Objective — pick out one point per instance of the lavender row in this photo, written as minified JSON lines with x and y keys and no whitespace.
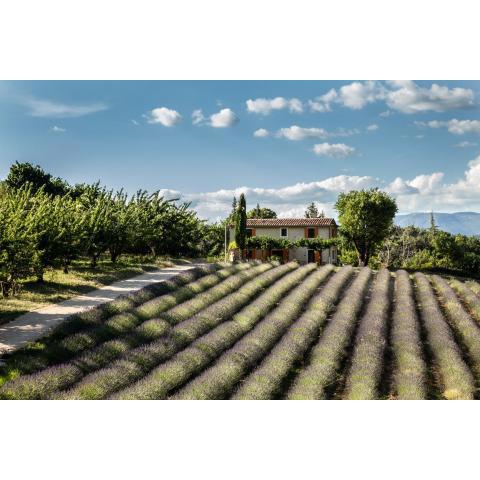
{"x":326,"y":356}
{"x":410,"y":369}
{"x":56,"y":348}
{"x":136,"y":363}
{"x":205,"y":349}
{"x":457,"y":380}
{"x":463,"y":324}
{"x":367,"y":360}
{"x":220,"y":380}
{"x":45,"y":382}
{"x":468,"y":296}
{"x":265,"y":381}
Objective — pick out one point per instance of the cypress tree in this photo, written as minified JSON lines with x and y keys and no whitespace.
{"x":241,"y":223}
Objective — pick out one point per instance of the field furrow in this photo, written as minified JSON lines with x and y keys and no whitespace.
{"x":457,"y":380}
{"x":409,"y":378}
{"x":265,"y":382}
{"x":264,"y":330}
{"x":471,"y":300}
{"x":219,"y":380}
{"x":312,"y":382}
{"x":368,"y":355}
{"x":462,"y":323}
{"x":33,"y":358}
{"x":137,"y":362}
{"x":47,"y":381}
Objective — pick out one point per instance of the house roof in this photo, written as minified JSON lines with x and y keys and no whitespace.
{"x":290,"y":222}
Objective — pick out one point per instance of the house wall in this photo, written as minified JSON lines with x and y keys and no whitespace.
{"x":294,"y":233}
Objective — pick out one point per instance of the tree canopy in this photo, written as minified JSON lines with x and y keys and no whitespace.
{"x":366,"y":217}
{"x":261,"y":212}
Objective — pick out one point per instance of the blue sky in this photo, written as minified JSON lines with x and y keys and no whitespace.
{"x":418,"y":140}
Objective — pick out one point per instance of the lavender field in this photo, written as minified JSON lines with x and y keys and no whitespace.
{"x":265,"y":331}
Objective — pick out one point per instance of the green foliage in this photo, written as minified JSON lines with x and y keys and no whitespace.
{"x":312,"y":212}
{"x":46,"y":223}
{"x":241,"y":223}
{"x":263,"y":212}
{"x":365,"y":217}
{"x":426,"y":249}
{"x":22,"y":173}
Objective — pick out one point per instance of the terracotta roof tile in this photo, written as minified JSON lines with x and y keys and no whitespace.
{"x":290,"y":222}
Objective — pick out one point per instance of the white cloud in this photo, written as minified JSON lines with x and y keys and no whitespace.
{"x":386,"y":114}
{"x":358,"y":94}
{"x":323,"y":102}
{"x":372,"y":128}
{"x":457,"y":127}
{"x":265,"y":106}
{"x":337,"y":150}
{"x":422,"y":193}
{"x":411,"y":98}
{"x":223,"y":119}
{"x":135,"y":123}
{"x":426,"y":183}
{"x":164,"y":116}
{"x":197,"y":117}
{"x":57,"y":129}
{"x":261,"y":133}
{"x":402,"y":95}
{"x":466,"y":144}
{"x":297,"y":133}
{"x":51,"y":109}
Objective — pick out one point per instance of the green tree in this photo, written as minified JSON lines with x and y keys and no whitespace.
{"x":259,"y":212}
{"x":311,"y":211}
{"x":241,"y":223}
{"x":22,"y":173}
{"x":366,"y":217}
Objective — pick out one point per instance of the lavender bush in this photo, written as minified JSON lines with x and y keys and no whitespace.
{"x":326,"y":356}
{"x":457,"y":380}
{"x":410,"y":368}
{"x":266,"y":380}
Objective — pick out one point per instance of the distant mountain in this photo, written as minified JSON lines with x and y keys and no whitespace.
{"x":465,"y":223}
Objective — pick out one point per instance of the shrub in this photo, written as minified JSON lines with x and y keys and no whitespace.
{"x":326,"y":356}
{"x":410,"y":369}
{"x":219,"y":380}
{"x":456,"y":378}
{"x":367,"y":360}
{"x":265,"y":381}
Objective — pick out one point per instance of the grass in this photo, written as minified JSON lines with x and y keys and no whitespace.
{"x":58,"y":286}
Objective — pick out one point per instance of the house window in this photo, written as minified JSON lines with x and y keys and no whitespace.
{"x":284,"y":232}
{"x":249,"y":232}
{"x":310,"y":232}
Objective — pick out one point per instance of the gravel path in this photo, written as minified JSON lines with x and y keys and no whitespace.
{"x":33,"y":325}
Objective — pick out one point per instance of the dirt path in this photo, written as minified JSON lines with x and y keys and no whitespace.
{"x":35,"y":324}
